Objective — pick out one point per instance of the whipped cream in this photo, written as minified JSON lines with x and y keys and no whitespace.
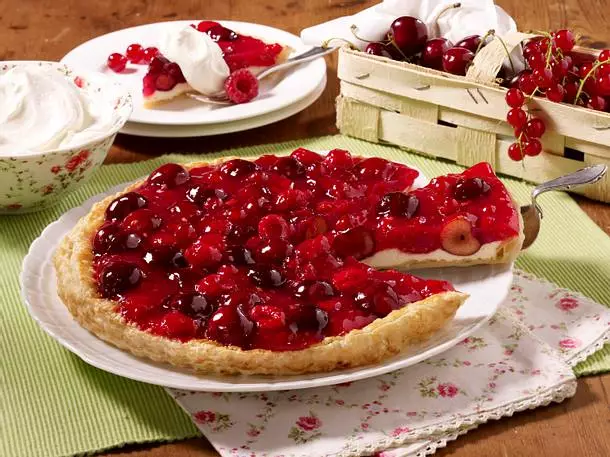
{"x":391,"y":258}
{"x":42,"y":110}
{"x":199,"y":58}
{"x":473,"y":17}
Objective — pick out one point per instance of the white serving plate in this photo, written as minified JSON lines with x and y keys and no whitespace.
{"x":488,"y":286}
{"x":275,"y":94}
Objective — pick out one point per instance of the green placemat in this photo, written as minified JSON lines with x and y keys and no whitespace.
{"x":54,"y":404}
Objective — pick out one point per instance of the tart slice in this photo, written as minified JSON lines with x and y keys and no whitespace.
{"x":166,"y":80}
{"x":258,"y":266}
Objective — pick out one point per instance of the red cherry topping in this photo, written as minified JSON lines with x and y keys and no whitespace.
{"x":206,"y":252}
{"x":237,"y":168}
{"x":204,"y":26}
{"x":220,"y":33}
{"x":266,"y":276}
{"x":125,"y":204}
{"x":109,"y":238}
{"x":116,"y":62}
{"x":469,"y":188}
{"x":357,"y":242}
{"x":142,"y":222}
{"x":149,"y":54}
{"x":117,"y":277}
{"x":398,"y":204}
{"x":169,"y":175}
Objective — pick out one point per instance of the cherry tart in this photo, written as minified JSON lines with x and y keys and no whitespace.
{"x":264,"y":266}
{"x":164,"y":79}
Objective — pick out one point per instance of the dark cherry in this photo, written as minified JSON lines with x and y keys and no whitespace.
{"x":220,"y":33}
{"x":133,"y":241}
{"x":206,"y":252}
{"x":124,"y":205}
{"x":471,"y":43}
{"x":398,"y":204}
{"x":432,"y":55}
{"x":238,"y":168}
{"x":109,"y":238}
{"x":409,"y":34}
{"x":239,"y":255}
{"x":199,"y":194}
{"x":141,"y":221}
{"x":273,"y":226}
{"x":266,"y":276}
{"x":289,"y":167}
{"x":179,"y":261}
{"x":378,"y":49}
{"x":380,"y":299}
{"x":309,"y":317}
{"x":270,"y":250}
{"x":306,"y":157}
{"x":469,"y":188}
{"x":117,"y":277}
{"x":161,"y":247}
{"x":338,"y":159}
{"x":314,"y":290}
{"x":456,"y":60}
{"x":169,"y":175}
{"x":375,"y":168}
{"x":357,"y":242}
{"x":193,"y":304}
{"x":225,"y":326}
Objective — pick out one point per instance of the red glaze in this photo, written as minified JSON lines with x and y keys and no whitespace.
{"x":259,"y":255}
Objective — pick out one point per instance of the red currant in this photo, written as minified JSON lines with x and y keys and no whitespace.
{"x":585,"y":69}
{"x":564,"y":40}
{"x":543,"y":77}
{"x":571,"y":89}
{"x":597,"y":103}
{"x":604,"y":55}
{"x":560,"y":68}
{"x":516,"y":117}
{"x":116,"y":62}
{"x":603,"y":69}
{"x":532,"y":147}
{"x":514,"y":152}
{"x":555,"y":93}
{"x":134,"y":53}
{"x":515,"y":98}
{"x":536,"y":60}
{"x":149,"y":54}
{"x":603,"y":84}
{"x":527,"y":84}
{"x":535,"y":128}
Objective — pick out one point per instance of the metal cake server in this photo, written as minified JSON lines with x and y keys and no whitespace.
{"x":532,"y":214}
{"x":220,"y":98}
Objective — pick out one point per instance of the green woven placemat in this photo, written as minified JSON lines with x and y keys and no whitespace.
{"x":54,"y":404}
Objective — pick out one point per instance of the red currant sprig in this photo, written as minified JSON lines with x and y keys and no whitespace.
{"x":528,"y":129}
{"x":134,"y":53}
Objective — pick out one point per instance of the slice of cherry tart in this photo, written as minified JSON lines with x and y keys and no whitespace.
{"x":261,"y":266}
{"x":165,"y":81}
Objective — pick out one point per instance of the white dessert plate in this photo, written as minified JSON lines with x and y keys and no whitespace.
{"x":275,"y":93}
{"x":488,"y":286}
{"x":182,"y":131}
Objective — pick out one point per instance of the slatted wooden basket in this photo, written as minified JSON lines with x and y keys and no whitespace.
{"x":463,"y":119}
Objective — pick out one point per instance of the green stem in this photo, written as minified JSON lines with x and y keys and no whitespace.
{"x":507,"y":52}
{"x":586,"y":78}
{"x":489,"y":33}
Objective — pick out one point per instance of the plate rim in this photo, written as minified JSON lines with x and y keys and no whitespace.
{"x":324,"y":379}
{"x":318,"y":66}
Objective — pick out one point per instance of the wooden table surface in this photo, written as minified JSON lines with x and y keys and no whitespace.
{"x":48,"y":29}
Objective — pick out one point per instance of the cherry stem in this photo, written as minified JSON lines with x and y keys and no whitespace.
{"x":489,"y":33}
{"x":326,"y":43}
{"x":586,"y":78}
{"x":445,"y":9}
{"x":353,"y":28}
{"x":512,"y":66}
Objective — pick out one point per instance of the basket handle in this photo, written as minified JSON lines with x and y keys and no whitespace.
{"x":489,"y":59}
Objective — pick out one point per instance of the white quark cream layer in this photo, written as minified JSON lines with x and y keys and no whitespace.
{"x":392,"y":258}
{"x":474,"y":17}
{"x":199,"y":58}
{"x":41,"y":110}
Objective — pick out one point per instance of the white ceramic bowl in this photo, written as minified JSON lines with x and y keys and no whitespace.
{"x":36,"y":180}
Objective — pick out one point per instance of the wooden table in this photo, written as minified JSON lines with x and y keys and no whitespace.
{"x":48,"y":29}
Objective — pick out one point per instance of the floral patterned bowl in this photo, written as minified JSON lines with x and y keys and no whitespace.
{"x":34,"y":181}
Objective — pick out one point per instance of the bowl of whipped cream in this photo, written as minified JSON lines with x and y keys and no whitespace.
{"x":56,"y":127}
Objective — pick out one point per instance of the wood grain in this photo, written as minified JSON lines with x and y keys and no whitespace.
{"x":48,"y":29}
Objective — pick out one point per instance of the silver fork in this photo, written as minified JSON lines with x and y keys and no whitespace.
{"x":220,"y":98}
{"x":532,"y":214}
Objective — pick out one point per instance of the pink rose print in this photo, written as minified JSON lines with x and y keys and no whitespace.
{"x":46,"y":190}
{"x":399,"y":431}
{"x":14,"y":206}
{"x":205,"y":417}
{"x":447,"y":390}
{"x":55,"y":169}
{"x":253,"y":432}
{"x":79,"y":82}
{"x":569,"y":343}
{"x":567,"y":304}
{"x":309,"y":423}
{"x":77,"y":159}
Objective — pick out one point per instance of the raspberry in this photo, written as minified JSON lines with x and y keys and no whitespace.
{"x":241,"y":86}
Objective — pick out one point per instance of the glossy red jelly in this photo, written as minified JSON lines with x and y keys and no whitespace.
{"x":265,"y":254}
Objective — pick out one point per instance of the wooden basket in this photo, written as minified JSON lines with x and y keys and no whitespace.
{"x":463,"y":119}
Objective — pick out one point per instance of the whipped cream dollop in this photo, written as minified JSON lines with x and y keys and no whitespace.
{"x":199,"y":58}
{"x":41,"y":110}
{"x":473,"y":17}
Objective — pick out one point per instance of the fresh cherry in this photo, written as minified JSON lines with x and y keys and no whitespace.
{"x":456,"y":60}
{"x":471,"y":42}
{"x":117,"y":277}
{"x":409,"y":34}
{"x":377,"y":49}
{"x":432,"y":55}
{"x":125,"y":204}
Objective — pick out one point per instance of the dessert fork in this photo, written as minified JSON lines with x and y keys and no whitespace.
{"x":532,"y":214}
{"x":220,"y":98}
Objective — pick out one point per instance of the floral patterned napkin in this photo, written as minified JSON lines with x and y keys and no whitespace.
{"x":522,"y":359}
